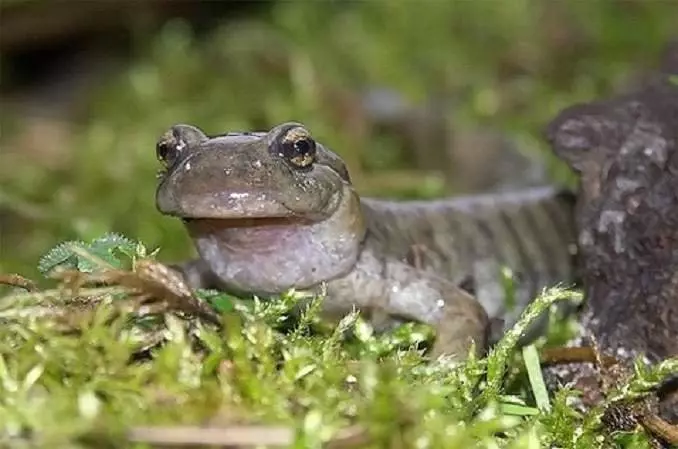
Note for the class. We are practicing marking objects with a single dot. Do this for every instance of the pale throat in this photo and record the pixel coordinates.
(269, 256)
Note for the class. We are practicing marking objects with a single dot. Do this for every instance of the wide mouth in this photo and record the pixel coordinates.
(248, 222)
(247, 235)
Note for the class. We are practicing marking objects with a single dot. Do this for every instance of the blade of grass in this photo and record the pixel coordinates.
(499, 355)
(534, 373)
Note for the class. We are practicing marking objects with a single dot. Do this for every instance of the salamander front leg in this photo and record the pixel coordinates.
(462, 321)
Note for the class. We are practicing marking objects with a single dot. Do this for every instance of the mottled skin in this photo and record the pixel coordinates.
(273, 211)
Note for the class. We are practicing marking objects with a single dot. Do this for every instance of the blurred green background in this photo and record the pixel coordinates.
(421, 98)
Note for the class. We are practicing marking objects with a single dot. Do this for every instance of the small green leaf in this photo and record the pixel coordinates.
(518, 409)
(87, 257)
(33, 376)
(60, 256)
(541, 396)
(220, 301)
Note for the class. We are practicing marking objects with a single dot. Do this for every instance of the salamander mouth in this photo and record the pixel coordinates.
(249, 222)
(250, 235)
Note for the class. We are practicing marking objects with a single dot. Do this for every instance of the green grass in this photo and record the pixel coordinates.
(83, 365)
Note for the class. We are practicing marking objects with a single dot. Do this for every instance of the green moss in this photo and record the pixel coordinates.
(105, 374)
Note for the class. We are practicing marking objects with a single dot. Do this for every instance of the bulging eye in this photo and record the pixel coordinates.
(175, 140)
(298, 147)
(169, 147)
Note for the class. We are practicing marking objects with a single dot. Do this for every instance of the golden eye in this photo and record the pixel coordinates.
(167, 149)
(298, 147)
(174, 141)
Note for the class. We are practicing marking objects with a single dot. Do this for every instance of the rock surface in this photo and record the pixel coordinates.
(625, 150)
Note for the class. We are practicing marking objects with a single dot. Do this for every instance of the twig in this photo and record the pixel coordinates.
(658, 426)
(575, 354)
(17, 280)
(213, 436)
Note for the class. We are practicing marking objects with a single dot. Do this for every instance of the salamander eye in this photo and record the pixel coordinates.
(174, 141)
(168, 148)
(298, 147)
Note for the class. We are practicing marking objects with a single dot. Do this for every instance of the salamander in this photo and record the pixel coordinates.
(271, 211)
